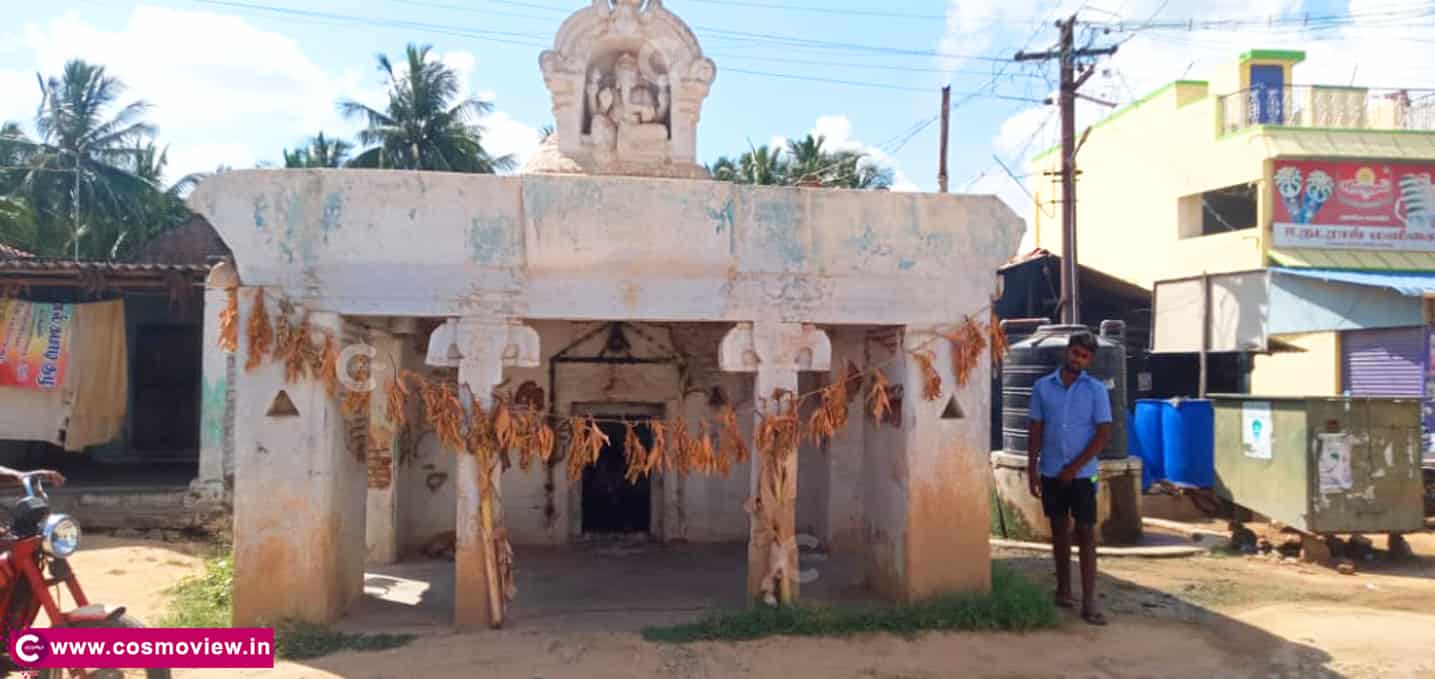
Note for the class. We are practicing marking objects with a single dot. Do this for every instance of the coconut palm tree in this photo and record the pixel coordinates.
(803, 162)
(319, 151)
(807, 160)
(424, 125)
(82, 172)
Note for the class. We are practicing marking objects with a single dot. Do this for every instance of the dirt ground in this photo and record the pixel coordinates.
(1207, 616)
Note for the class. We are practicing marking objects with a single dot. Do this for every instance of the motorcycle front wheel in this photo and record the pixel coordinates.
(122, 622)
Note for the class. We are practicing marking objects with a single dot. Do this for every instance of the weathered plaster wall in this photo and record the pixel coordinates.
(845, 451)
(948, 507)
(299, 499)
(424, 511)
(813, 484)
(884, 476)
(216, 405)
(567, 247)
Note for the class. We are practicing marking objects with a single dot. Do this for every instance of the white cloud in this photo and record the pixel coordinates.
(224, 92)
(504, 135)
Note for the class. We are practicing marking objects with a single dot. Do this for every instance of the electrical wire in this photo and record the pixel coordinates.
(791, 76)
(823, 10)
(474, 33)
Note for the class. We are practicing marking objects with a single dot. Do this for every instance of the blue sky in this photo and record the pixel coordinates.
(234, 85)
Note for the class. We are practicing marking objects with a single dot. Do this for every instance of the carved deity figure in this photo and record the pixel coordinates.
(628, 112)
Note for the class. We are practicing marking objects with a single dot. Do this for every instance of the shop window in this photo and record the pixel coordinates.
(1232, 208)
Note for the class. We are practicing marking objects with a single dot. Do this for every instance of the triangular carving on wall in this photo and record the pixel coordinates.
(953, 411)
(282, 406)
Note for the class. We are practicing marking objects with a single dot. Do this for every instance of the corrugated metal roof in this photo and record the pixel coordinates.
(1410, 284)
(44, 264)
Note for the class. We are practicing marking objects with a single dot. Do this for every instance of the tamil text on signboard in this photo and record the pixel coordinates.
(34, 343)
(1354, 205)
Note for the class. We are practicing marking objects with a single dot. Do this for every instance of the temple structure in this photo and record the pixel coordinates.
(612, 279)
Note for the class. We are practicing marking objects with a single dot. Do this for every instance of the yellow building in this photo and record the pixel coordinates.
(1310, 207)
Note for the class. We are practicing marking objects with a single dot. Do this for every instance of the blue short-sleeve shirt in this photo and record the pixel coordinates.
(1069, 416)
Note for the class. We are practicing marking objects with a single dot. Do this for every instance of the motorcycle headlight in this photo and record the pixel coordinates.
(61, 536)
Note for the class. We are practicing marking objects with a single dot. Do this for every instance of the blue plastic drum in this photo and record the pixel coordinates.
(1188, 442)
(1146, 441)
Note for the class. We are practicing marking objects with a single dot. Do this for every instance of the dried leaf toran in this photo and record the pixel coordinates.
(674, 447)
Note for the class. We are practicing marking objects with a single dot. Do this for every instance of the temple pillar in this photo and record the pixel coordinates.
(482, 346)
(776, 352)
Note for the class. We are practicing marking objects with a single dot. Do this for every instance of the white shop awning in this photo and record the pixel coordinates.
(1249, 307)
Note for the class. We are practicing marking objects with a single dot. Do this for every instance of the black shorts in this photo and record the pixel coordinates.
(1076, 499)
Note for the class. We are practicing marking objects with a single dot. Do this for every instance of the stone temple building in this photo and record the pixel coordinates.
(611, 278)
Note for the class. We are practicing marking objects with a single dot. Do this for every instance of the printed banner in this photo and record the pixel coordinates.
(1354, 205)
(141, 648)
(34, 343)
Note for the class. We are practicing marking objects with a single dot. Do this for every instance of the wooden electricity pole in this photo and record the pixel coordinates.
(946, 120)
(1068, 54)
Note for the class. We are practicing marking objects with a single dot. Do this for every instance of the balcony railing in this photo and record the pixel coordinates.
(1324, 106)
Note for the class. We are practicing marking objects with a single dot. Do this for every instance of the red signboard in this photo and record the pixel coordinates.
(1354, 205)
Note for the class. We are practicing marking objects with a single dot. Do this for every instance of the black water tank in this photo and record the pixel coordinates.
(1041, 353)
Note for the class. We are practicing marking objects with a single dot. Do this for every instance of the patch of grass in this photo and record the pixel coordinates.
(302, 641)
(1014, 604)
(203, 600)
(206, 601)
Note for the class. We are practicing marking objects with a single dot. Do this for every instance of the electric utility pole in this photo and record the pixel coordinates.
(946, 118)
(1068, 54)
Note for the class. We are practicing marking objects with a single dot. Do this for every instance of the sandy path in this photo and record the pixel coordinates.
(1206, 617)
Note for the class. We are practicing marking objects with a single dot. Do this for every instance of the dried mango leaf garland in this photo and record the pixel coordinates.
(931, 379)
(229, 322)
(261, 333)
(778, 435)
(968, 341)
(877, 402)
(1000, 345)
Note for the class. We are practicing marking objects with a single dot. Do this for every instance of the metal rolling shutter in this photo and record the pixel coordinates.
(1384, 362)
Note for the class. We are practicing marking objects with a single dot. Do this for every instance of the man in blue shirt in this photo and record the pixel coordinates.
(1070, 424)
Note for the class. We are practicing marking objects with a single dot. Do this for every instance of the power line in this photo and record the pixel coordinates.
(882, 67)
(475, 10)
(823, 10)
(791, 76)
(845, 46)
(473, 33)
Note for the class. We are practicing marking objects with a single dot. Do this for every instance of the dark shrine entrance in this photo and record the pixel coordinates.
(611, 504)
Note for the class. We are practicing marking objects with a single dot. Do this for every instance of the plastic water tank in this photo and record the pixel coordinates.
(1041, 354)
(1145, 440)
(1188, 442)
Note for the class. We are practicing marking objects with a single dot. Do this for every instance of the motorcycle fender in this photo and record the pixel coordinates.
(93, 613)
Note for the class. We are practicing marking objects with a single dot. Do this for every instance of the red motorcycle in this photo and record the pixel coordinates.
(39, 542)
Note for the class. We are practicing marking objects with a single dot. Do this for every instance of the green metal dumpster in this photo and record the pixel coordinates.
(1322, 464)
